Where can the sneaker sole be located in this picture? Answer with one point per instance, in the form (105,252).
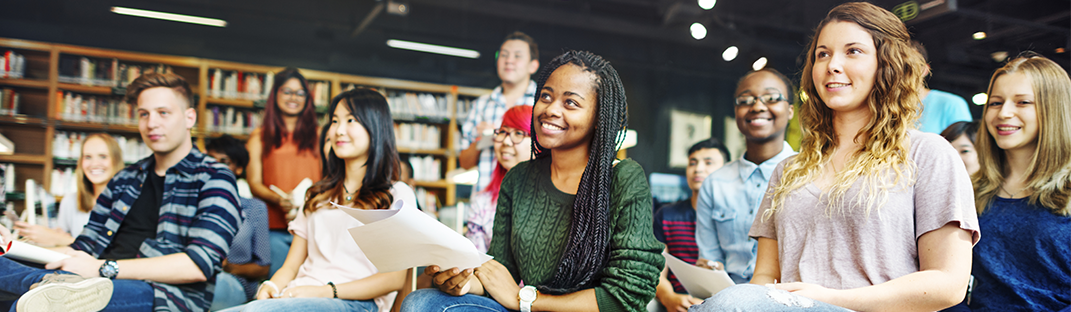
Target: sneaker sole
(85,296)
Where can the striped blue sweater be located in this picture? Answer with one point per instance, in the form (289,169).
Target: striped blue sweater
(199,217)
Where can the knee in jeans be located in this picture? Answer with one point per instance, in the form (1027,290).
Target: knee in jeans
(746,297)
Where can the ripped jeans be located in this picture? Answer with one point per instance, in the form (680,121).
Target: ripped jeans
(751,297)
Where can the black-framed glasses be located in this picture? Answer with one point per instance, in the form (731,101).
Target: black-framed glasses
(298,93)
(765,98)
(516,136)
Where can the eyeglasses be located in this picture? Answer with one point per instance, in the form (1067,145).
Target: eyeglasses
(516,136)
(765,98)
(299,93)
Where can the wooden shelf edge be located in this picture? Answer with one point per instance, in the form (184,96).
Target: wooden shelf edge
(24,159)
(440,152)
(25,83)
(229,102)
(22,120)
(25,44)
(89,126)
(85,89)
(432,184)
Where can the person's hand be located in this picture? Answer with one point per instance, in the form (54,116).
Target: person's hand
(308,292)
(498,283)
(453,281)
(79,263)
(42,235)
(678,302)
(708,264)
(5,235)
(267,290)
(812,291)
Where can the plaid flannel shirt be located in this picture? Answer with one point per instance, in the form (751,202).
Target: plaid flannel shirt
(199,217)
(490,108)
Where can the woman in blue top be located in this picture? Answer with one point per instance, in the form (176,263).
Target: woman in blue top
(1022,190)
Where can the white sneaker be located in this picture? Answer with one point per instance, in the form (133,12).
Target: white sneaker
(66,292)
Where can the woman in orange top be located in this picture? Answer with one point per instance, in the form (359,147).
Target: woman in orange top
(282,152)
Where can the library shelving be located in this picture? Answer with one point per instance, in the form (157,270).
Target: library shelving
(64,91)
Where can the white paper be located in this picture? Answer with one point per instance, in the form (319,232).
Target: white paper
(25,252)
(401,238)
(297,195)
(699,282)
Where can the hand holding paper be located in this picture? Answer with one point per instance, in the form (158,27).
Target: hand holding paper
(26,252)
(699,282)
(401,238)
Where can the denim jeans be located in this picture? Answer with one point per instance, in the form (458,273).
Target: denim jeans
(229,292)
(279,241)
(431,299)
(127,295)
(306,304)
(751,297)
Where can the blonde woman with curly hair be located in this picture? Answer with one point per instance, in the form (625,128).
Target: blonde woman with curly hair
(1022,190)
(872,214)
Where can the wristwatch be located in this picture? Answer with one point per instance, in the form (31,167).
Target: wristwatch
(109,269)
(527,296)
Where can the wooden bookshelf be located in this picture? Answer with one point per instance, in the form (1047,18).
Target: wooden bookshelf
(25,83)
(35,131)
(27,159)
(230,102)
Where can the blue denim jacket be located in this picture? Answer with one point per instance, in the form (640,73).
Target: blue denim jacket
(725,210)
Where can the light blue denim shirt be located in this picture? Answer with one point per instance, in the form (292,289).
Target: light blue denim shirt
(726,208)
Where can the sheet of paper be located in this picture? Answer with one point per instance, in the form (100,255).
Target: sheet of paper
(30,253)
(401,238)
(699,282)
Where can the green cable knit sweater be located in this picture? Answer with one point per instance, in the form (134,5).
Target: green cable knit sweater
(532,228)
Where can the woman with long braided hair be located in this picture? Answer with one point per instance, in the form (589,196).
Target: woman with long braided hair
(571,225)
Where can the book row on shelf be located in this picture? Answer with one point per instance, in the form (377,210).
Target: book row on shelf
(412,105)
(12,65)
(426,168)
(239,85)
(427,201)
(9,102)
(417,136)
(230,120)
(94,108)
(68,146)
(103,72)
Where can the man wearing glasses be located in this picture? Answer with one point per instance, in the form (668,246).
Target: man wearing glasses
(731,195)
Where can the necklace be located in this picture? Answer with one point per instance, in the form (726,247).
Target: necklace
(1012,195)
(349,196)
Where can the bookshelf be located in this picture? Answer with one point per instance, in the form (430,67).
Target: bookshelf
(65,91)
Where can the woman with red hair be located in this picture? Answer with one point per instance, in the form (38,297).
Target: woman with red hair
(513,144)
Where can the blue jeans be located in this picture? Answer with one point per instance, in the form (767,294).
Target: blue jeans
(127,295)
(751,297)
(431,299)
(279,241)
(229,292)
(306,304)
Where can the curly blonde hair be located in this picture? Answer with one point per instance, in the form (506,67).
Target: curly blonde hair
(893,103)
(1049,174)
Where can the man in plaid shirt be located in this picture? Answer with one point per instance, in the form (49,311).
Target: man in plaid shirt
(159,232)
(517,59)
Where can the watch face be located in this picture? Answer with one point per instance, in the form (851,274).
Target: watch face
(528,293)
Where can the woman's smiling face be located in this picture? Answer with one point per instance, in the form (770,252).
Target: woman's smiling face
(564,114)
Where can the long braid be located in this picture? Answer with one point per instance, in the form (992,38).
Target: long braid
(589,234)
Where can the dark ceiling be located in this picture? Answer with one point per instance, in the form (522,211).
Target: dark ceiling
(648,41)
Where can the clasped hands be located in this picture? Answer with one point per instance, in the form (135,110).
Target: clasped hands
(493,278)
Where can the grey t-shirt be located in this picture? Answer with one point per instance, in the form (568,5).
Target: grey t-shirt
(848,249)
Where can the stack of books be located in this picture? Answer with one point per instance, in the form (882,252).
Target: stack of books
(426,168)
(91,108)
(103,72)
(417,136)
(67,146)
(238,85)
(228,120)
(9,102)
(412,105)
(12,65)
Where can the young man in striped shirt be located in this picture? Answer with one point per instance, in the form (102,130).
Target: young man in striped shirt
(675,223)
(160,230)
